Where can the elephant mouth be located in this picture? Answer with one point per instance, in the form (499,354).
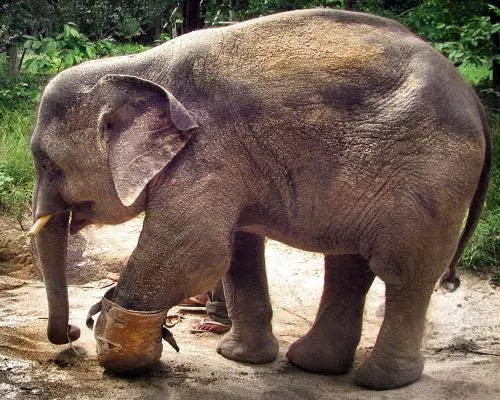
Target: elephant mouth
(77,224)
(80,216)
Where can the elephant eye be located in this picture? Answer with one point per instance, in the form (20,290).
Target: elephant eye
(51,169)
(55,172)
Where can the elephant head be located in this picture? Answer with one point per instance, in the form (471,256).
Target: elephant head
(96,148)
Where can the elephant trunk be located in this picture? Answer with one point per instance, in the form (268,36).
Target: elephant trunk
(51,248)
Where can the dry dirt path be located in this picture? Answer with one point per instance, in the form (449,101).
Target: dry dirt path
(462,342)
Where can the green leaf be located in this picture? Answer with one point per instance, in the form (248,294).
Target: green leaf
(90,52)
(32,66)
(495,9)
(69,60)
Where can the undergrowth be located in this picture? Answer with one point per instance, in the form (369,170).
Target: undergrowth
(16,165)
(484,247)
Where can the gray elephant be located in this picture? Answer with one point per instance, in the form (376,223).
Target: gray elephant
(330,131)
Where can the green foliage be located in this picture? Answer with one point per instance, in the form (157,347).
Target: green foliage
(18,17)
(163,38)
(128,28)
(120,49)
(476,74)
(118,19)
(5,181)
(474,44)
(47,55)
(461,30)
(484,247)
(493,198)
(50,55)
(16,165)
(243,10)
(23,88)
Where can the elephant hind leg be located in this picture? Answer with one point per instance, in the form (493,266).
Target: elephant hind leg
(409,269)
(396,360)
(330,345)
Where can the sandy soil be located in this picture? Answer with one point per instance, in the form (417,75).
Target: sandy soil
(462,342)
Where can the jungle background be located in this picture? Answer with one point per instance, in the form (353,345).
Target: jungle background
(39,38)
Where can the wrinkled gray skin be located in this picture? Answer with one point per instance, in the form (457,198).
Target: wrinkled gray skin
(330,131)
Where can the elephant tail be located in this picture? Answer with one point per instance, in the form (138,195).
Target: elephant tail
(449,280)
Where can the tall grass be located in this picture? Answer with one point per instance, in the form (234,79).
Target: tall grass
(16,165)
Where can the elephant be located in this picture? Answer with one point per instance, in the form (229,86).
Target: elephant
(330,131)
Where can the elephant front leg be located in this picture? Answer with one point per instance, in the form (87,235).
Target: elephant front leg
(245,285)
(329,346)
(176,257)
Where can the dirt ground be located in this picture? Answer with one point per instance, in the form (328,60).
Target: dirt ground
(461,346)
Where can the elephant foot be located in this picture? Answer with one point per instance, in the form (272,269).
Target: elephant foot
(381,375)
(321,356)
(128,341)
(255,349)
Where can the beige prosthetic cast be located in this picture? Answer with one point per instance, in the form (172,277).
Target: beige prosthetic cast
(128,341)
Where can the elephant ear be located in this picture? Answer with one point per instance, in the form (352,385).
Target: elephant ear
(144,127)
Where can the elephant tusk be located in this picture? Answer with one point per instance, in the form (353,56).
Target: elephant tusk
(38,225)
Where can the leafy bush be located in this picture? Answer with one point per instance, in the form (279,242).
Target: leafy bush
(474,44)
(22,89)
(461,30)
(120,49)
(5,181)
(476,74)
(50,55)
(128,28)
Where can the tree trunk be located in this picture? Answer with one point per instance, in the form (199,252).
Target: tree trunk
(191,11)
(13,56)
